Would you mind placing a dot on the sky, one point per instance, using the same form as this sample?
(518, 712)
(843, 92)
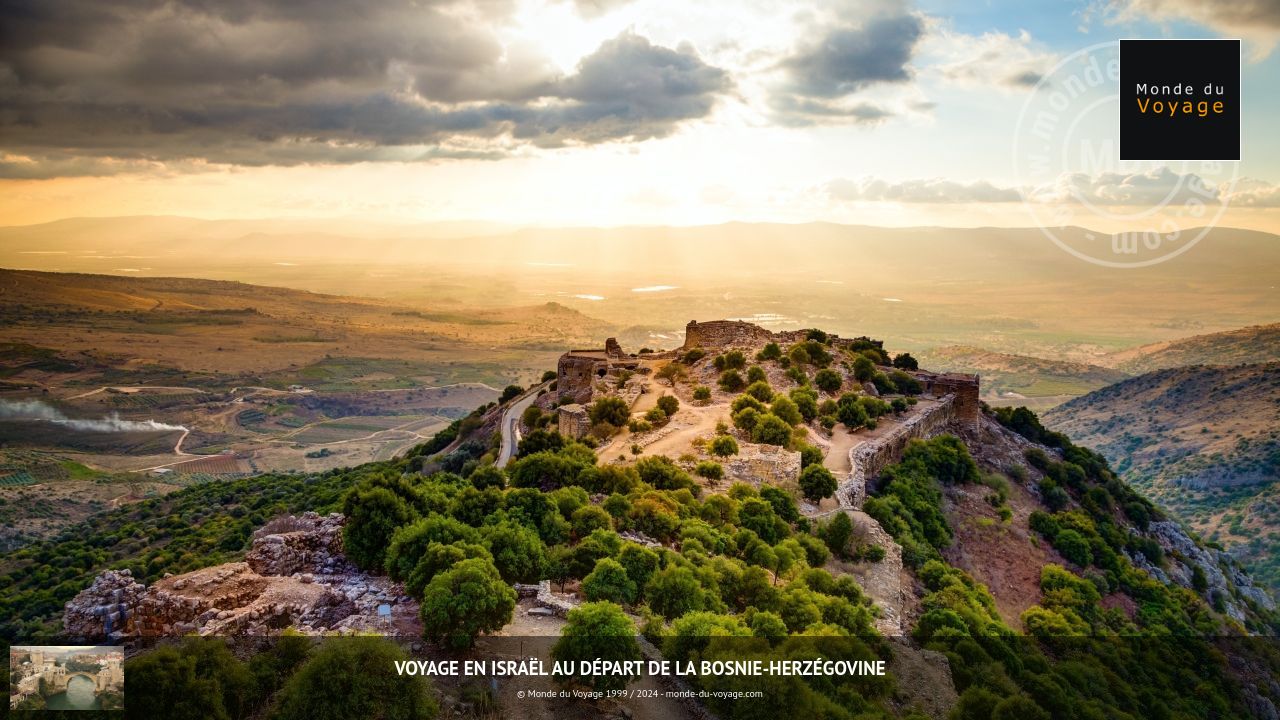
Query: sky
(604, 112)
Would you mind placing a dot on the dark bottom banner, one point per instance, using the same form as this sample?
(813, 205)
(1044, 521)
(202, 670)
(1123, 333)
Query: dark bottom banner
(708, 674)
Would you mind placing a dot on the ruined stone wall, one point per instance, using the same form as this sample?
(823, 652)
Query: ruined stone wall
(760, 465)
(724, 334)
(577, 373)
(869, 458)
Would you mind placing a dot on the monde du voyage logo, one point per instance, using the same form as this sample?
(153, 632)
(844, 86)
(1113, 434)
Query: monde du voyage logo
(1180, 100)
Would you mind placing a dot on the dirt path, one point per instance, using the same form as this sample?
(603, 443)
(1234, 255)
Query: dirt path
(673, 439)
(837, 457)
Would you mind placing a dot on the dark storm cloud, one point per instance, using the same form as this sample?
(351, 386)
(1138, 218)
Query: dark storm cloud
(85, 85)
(844, 61)
(849, 59)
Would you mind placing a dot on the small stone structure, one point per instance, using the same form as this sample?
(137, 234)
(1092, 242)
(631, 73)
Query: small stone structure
(760, 465)
(578, 371)
(573, 421)
(965, 388)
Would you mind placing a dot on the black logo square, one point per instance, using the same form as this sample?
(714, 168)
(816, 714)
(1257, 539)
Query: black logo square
(1180, 99)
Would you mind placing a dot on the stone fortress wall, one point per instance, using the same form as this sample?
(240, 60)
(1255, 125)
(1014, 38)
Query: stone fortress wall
(717, 335)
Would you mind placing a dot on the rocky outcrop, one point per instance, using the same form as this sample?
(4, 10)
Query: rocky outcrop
(1186, 555)
(294, 576)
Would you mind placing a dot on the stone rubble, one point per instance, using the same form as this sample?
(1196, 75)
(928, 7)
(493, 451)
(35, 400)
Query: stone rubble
(294, 575)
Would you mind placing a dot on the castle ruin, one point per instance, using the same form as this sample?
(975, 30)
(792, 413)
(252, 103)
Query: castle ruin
(578, 370)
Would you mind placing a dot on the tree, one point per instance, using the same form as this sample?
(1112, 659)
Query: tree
(672, 373)
(675, 591)
(662, 473)
(669, 404)
(702, 393)
(768, 625)
(709, 470)
(692, 633)
(609, 581)
(770, 351)
(850, 412)
(836, 534)
(610, 409)
(1073, 547)
(437, 558)
(352, 677)
(589, 518)
(640, 563)
(731, 381)
(771, 430)
(756, 374)
(724, 446)
(828, 381)
(510, 392)
(410, 542)
(806, 402)
(540, 440)
(597, 631)
(785, 408)
(904, 383)
(760, 390)
(863, 368)
(373, 515)
(548, 375)
(459, 604)
(487, 476)
(817, 482)
(781, 502)
(905, 362)
(199, 679)
(518, 553)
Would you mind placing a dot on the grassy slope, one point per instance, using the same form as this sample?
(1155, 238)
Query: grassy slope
(1202, 441)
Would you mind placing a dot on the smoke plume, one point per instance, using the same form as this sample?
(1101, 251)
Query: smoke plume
(36, 410)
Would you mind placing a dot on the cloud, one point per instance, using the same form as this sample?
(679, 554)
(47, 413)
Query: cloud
(934, 190)
(1160, 186)
(1157, 187)
(91, 87)
(1255, 20)
(1252, 193)
(596, 8)
(849, 59)
(821, 76)
(992, 59)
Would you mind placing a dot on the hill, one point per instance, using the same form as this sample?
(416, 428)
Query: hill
(1254, 344)
(834, 514)
(152, 383)
(1009, 290)
(1019, 379)
(1201, 440)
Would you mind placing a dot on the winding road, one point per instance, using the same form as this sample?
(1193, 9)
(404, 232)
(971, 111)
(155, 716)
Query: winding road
(511, 421)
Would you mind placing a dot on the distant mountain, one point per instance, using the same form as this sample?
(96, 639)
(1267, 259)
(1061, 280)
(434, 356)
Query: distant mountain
(172, 325)
(1204, 441)
(1019, 379)
(1255, 344)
